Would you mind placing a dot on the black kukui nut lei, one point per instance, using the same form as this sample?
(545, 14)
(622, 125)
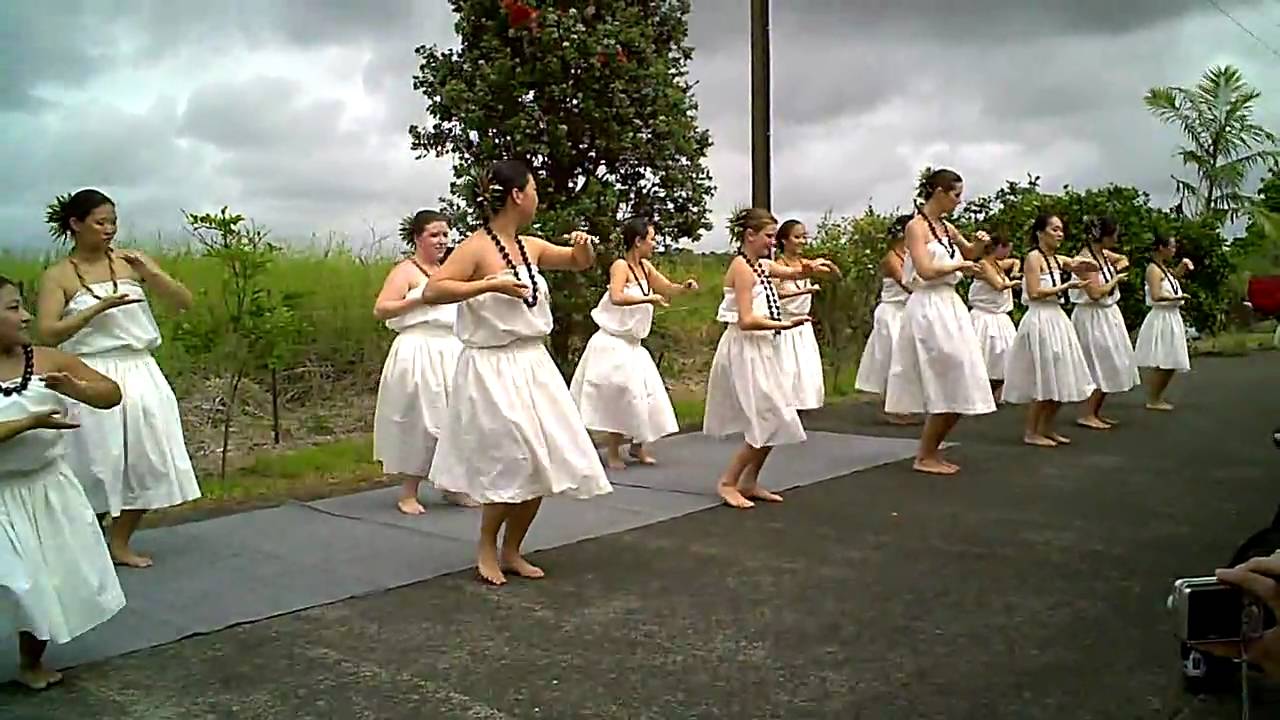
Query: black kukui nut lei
(770, 292)
(532, 300)
(28, 370)
(947, 244)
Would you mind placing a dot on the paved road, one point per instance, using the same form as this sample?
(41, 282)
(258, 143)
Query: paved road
(1031, 586)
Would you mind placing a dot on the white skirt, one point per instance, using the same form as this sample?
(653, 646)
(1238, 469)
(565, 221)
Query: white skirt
(1162, 340)
(937, 362)
(1045, 362)
(995, 333)
(413, 398)
(802, 363)
(747, 392)
(618, 389)
(512, 432)
(133, 456)
(877, 356)
(1108, 352)
(56, 577)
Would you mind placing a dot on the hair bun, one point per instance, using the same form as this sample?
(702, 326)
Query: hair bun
(58, 217)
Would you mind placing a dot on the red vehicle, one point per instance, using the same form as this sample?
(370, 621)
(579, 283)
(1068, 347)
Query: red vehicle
(1264, 298)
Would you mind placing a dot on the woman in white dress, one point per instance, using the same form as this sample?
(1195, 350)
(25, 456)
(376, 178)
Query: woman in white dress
(413, 393)
(56, 577)
(1162, 339)
(877, 354)
(616, 384)
(991, 300)
(1046, 366)
(133, 457)
(743, 392)
(801, 358)
(512, 434)
(938, 367)
(1100, 324)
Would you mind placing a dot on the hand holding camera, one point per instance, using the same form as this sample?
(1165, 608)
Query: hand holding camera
(1213, 612)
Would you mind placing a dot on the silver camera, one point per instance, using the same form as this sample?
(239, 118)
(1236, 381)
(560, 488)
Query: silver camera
(1208, 610)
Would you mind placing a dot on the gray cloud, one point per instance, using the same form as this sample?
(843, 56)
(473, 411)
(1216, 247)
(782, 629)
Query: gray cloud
(865, 93)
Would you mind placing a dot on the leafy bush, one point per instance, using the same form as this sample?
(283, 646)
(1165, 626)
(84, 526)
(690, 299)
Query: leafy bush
(1011, 210)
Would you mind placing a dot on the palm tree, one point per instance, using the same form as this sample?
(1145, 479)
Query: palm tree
(1224, 143)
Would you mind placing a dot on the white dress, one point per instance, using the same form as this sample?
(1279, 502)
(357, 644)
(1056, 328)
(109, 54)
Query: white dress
(937, 362)
(1162, 339)
(133, 456)
(1045, 361)
(413, 393)
(56, 577)
(616, 384)
(801, 358)
(746, 390)
(1103, 337)
(512, 432)
(991, 322)
(877, 355)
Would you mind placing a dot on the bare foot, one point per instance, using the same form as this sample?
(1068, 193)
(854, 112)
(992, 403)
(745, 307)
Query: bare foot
(1161, 406)
(759, 493)
(934, 467)
(949, 465)
(410, 506)
(490, 571)
(1093, 422)
(521, 567)
(1059, 438)
(1110, 423)
(460, 499)
(641, 455)
(129, 558)
(1038, 441)
(615, 462)
(901, 419)
(38, 678)
(733, 498)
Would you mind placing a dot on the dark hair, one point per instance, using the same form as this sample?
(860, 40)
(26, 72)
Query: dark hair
(635, 229)
(784, 232)
(933, 180)
(499, 181)
(413, 225)
(898, 228)
(77, 206)
(998, 240)
(1160, 241)
(1040, 224)
(6, 282)
(1105, 227)
(753, 219)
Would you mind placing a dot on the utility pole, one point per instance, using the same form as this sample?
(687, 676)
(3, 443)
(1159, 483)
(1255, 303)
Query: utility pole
(761, 162)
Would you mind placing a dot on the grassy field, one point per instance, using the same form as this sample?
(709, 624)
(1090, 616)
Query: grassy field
(328, 389)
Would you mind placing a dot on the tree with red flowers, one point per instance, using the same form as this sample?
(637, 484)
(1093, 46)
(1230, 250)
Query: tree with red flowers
(594, 96)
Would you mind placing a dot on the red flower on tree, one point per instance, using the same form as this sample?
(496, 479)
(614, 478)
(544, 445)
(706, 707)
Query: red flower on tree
(518, 13)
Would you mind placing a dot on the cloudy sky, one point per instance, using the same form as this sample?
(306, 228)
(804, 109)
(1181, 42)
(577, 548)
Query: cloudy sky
(294, 112)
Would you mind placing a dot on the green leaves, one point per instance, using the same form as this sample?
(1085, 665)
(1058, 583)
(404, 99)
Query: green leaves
(594, 97)
(1224, 143)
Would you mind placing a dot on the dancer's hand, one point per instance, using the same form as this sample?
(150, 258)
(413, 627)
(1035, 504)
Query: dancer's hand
(1076, 283)
(658, 300)
(63, 383)
(1083, 266)
(111, 302)
(577, 237)
(813, 289)
(982, 237)
(509, 286)
(1187, 265)
(50, 420)
(137, 261)
(798, 321)
(967, 267)
(691, 284)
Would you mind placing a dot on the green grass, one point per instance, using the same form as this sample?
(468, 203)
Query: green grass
(292, 473)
